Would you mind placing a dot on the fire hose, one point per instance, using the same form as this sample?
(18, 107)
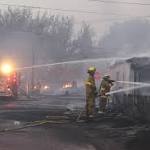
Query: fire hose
(37, 123)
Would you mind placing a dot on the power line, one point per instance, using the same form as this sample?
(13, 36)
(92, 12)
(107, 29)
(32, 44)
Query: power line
(119, 2)
(48, 8)
(74, 10)
(61, 10)
(117, 19)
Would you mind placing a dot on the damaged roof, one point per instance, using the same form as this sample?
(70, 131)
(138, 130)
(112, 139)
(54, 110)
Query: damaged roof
(136, 62)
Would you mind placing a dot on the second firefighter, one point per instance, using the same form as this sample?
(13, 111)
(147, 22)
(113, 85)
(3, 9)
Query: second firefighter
(105, 87)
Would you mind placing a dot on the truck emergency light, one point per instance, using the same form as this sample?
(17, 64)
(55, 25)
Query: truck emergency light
(6, 69)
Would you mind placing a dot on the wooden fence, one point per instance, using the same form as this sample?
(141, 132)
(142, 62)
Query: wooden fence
(137, 106)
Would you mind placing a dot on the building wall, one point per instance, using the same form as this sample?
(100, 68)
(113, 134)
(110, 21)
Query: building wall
(122, 72)
(143, 75)
(135, 103)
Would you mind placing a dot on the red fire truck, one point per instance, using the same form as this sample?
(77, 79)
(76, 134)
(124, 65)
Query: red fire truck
(8, 82)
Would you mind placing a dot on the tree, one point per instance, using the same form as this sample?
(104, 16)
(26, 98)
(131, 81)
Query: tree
(82, 46)
(51, 37)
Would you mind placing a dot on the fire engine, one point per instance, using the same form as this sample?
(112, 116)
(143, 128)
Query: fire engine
(8, 82)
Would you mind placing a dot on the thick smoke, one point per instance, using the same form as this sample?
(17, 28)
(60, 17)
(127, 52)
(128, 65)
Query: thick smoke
(124, 39)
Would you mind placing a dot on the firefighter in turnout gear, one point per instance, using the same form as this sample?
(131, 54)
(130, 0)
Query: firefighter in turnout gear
(105, 87)
(90, 93)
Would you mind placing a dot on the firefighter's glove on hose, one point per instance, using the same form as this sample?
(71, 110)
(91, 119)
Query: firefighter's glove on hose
(112, 82)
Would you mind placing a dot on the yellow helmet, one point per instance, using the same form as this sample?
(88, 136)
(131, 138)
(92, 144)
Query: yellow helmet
(91, 70)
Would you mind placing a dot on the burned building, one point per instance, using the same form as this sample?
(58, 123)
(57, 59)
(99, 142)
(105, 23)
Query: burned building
(136, 70)
(135, 102)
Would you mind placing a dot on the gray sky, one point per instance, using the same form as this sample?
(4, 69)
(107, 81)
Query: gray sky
(107, 13)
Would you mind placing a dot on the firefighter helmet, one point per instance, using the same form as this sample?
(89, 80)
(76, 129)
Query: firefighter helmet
(91, 70)
(106, 77)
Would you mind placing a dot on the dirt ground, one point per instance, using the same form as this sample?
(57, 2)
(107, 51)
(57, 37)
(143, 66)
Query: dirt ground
(105, 132)
(115, 132)
(108, 132)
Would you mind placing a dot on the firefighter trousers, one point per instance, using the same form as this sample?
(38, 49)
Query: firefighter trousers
(90, 106)
(103, 103)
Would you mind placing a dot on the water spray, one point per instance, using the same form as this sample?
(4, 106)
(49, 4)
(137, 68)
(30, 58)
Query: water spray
(141, 84)
(134, 83)
(71, 62)
(77, 61)
(127, 89)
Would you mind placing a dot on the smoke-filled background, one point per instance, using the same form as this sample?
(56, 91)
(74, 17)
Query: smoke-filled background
(56, 32)
(54, 37)
(35, 33)
(56, 29)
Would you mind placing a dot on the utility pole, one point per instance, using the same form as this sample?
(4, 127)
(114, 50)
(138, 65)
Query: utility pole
(32, 71)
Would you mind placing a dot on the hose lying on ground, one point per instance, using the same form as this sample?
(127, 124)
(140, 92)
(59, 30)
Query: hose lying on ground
(33, 124)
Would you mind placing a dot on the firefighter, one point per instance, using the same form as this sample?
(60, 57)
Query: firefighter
(105, 87)
(90, 93)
